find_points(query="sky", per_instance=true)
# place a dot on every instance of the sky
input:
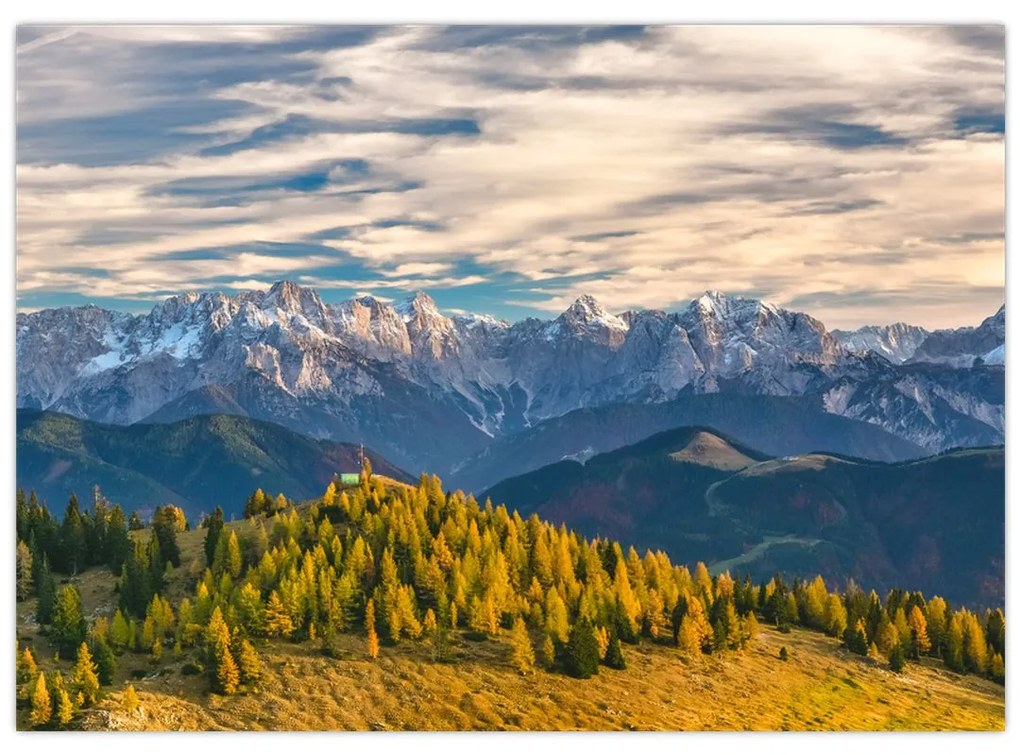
(854, 173)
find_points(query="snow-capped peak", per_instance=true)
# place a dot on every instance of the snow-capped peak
(421, 305)
(586, 310)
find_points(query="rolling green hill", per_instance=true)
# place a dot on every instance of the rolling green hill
(935, 524)
(198, 463)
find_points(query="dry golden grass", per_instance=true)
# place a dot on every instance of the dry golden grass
(821, 687)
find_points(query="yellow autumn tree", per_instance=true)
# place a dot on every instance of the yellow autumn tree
(372, 640)
(522, 651)
(42, 707)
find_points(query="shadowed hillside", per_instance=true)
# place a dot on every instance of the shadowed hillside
(197, 463)
(936, 523)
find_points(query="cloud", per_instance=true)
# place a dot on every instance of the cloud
(858, 169)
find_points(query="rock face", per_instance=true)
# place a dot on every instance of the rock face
(897, 342)
(965, 346)
(428, 390)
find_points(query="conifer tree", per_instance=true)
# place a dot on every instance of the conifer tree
(130, 701)
(614, 652)
(120, 633)
(167, 521)
(227, 674)
(42, 707)
(278, 621)
(118, 541)
(23, 572)
(46, 590)
(751, 629)
(581, 656)
(556, 623)
(214, 526)
(72, 538)
(372, 641)
(547, 651)
(523, 653)
(69, 628)
(26, 667)
(997, 668)
(835, 616)
(65, 708)
(919, 642)
(85, 677)
(249, 665)
(106, 662)
(897, 661)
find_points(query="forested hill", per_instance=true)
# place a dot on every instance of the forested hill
(937, 524)
(197, 463)
(365, 570)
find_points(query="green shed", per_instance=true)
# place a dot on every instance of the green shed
(350, 478)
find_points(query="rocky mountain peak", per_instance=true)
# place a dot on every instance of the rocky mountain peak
(587, 311)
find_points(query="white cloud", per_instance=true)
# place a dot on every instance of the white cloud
(692, 158)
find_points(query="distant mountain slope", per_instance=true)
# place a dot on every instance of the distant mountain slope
(936, 524)
(198, 463)
(779, 426)
(962, 346)
(896, 342)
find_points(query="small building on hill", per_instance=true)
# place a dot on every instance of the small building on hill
(350, 478)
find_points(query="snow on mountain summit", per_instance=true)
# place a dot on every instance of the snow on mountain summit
(328, 370)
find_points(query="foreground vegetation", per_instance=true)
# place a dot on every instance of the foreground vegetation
(445, 593)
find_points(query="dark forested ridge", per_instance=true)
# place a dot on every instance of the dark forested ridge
(937, 524)
(395, 563)
(197, 463)
(775, 425)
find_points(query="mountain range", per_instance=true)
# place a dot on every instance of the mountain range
(430, 391)
(936, 524)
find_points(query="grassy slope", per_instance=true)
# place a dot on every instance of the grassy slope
(820, 687)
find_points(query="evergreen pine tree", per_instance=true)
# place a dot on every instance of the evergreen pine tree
(118, 541)
(581, 657)
(69, 628)
(897, 660)
(614, 652)
(214, 526)
(23, 572)
(166, 522)
(46, 590)
(106, 662)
